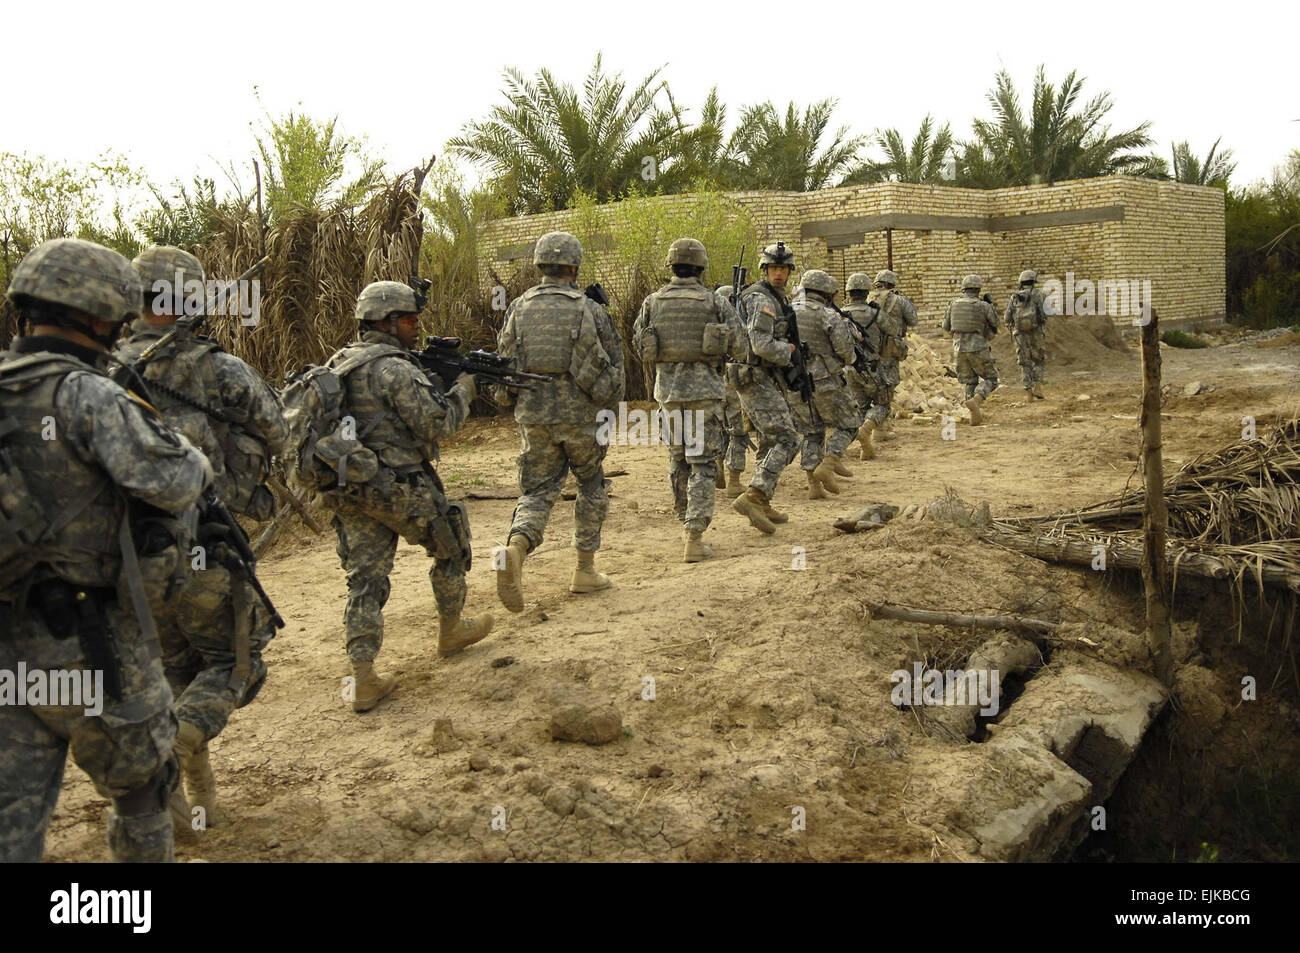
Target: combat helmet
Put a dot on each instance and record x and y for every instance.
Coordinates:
(777, 254)
(687, 251)
(80, 275)
(858, 281)
(886, 277)
(558, 248)
(817, 280)
(971, 283)
(1028, 276)
(725, 290)
(380, 299)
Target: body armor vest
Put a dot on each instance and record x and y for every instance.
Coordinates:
(678, 315)
(967, 316)
(377, 427)
(547, 322)
(812, 331)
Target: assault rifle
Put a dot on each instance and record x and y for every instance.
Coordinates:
(442, 356)
(241, 560)
(738, 272)
(863, 362)
(796, 373)
(190, 324)
(596, 293)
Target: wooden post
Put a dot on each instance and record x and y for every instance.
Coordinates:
(889, 249)
(1155, 514)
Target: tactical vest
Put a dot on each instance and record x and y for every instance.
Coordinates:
(1024, 315)
(966, 316)
(812, 331)
(779, 320)
(73, 512)
(547, 323)
(377, 427)
(678, 315)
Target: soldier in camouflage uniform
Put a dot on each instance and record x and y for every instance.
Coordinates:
(973, 322)
(213, 632)
(90, 478)
(399, 415)
(829, 337)
(1026, 316)
(758, 379)
(735, 434)
(864, 388)
(555, 329)
(897, 315)
(685, 332)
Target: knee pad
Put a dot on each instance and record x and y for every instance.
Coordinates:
(152, 796)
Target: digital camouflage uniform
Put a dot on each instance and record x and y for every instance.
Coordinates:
(973, 322)
(400, 415)
(673, 320)
(85, 448)
(764, 396)
(832, 423)
(897, 316)
(1026, 316)
(202, 628)
(864, 388)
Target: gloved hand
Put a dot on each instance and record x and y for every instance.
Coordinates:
(467, 383)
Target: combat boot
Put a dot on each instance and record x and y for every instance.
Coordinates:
(196, 769)
(837, 464)
(751, 505)
(585, 577)
(182, 819)
(1029, 395)
(866, 450)
(510, 577)
(815, 491)
(825, 475)
(720, 480)
(455, 633)
(370, 688)
(734, 486)
(695, 550)
(886, 430)
(974, 405)
(1038, 390)
(773, 514)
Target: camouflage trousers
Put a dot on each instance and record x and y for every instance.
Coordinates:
(125, 749)
(201, 631)
(1031, 355)
(768, 405)
(977, 370)
(862, 390)
(833, 412)
(693, 475)
(368, 522)
(890, 376)
(549, 452)
(735, 439)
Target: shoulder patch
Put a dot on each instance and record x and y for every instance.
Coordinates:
(767, 310)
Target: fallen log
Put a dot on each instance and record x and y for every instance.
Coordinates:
(885, 610)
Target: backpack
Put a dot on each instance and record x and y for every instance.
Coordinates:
(22, 522)
(1026, 312)
(325, 449)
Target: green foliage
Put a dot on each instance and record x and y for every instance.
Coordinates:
(186, 219)
(1262, 224)
(921, 162)
(784, 152)
(1212, 170)
(1060, 138)
(1175, 337)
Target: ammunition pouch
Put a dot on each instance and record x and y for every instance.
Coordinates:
(648, 346)
(717, 340)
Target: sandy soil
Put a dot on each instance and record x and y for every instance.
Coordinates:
(771, 692)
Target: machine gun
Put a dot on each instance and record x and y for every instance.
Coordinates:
(442, 356)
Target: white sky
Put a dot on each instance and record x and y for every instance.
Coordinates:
(408, 75)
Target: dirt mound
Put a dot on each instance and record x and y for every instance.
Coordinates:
(1078, 342)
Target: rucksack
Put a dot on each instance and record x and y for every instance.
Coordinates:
(325, 448)
(1026, 312)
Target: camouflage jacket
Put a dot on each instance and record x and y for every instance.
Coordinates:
(84, 447)
(1041, 310)
(400, 414)
(560, 401)
(829, 337)
(968, 341)
(221, 404)
(897, 313)
(690, 380)
(763, 307)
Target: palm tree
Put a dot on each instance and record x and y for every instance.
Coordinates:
(1213, 170)
(547, 141)
(1055, 142)
(922, 162)
(775, 152)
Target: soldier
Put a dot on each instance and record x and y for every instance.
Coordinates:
(764, 395)
(213, 632)
(897, 315)
(399, 415)
(735, 433)
(829, 338)
(554, 328)
(1026, 315)
(685, 332)
(93, 488)
(866, 329)
(973, 322)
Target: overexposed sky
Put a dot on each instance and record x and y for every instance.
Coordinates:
(170, 85)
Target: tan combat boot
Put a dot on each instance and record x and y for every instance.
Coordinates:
(182, 819)
(455, 633)
(866, 450)
(1029, 395)
(886, 430)
(1038, 390)
(196, 768)
(825, 475)
(370, 688)
(585, 577)
(815, 491)
(510, 577)
(772, 513)
(751, 505)
(695, 550)
(974, 405)
(837, 464)
(720, 480)
(734, 486)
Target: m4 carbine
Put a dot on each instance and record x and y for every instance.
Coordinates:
(442, 356)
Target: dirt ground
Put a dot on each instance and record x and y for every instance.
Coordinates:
(771, 687)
